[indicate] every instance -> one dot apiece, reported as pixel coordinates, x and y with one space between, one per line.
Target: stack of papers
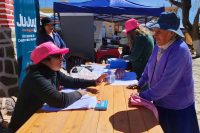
86 102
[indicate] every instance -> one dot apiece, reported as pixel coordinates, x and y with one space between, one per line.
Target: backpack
7 105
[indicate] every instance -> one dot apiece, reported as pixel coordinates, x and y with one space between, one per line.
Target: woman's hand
92 90
101 79
133 87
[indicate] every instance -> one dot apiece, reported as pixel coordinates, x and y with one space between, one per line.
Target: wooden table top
119 117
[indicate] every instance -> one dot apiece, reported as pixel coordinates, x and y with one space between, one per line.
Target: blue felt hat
169 21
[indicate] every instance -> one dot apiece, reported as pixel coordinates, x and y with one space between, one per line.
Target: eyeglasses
57 56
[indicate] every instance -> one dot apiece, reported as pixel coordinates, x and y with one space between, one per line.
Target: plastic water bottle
108 75
111 78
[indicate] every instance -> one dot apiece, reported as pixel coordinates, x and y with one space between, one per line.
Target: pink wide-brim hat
44 50
131 24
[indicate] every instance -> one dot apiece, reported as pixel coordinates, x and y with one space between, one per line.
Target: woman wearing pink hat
141 44
42 84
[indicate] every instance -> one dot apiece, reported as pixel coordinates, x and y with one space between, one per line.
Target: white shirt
51 34
162 49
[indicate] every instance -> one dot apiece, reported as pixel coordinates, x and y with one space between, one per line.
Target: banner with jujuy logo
26 14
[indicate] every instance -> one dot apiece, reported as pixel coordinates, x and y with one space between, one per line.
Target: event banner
26 14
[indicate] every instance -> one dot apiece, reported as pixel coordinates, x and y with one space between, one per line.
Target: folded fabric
115 63
136 100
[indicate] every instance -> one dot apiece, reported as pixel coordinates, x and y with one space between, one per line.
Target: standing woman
169 76
141 44
43 82
47 33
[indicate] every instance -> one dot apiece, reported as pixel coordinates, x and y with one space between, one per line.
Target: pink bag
136 100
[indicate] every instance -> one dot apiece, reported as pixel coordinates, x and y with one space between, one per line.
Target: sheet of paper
86 102
119 82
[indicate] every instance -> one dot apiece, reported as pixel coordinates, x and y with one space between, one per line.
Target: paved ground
196 74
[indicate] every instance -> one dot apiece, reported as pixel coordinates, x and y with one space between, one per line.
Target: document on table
120 82
86 102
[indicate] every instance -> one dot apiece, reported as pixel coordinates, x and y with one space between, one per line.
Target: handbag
7 105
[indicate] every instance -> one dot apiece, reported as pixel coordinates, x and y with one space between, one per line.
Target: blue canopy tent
116 10
107 10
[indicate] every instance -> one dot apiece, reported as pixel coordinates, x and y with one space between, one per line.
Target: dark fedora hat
169 21
46 20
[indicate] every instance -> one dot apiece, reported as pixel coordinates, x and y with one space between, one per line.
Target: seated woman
42 84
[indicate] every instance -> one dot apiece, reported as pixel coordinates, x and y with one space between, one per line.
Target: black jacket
40 86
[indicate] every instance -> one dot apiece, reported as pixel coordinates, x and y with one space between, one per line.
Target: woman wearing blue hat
169 76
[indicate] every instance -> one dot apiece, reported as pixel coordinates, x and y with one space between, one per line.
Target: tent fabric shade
111 7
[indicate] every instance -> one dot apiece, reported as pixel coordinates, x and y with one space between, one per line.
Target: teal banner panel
26 14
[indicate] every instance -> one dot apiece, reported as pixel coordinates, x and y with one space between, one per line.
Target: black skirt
178 121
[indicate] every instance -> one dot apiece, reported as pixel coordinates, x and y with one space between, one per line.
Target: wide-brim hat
168 21
44 50
130 25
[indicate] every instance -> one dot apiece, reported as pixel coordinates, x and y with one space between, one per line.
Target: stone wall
8 63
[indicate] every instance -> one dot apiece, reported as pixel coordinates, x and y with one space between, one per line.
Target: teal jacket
140 52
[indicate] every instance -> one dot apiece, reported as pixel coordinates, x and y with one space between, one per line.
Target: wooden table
119 117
